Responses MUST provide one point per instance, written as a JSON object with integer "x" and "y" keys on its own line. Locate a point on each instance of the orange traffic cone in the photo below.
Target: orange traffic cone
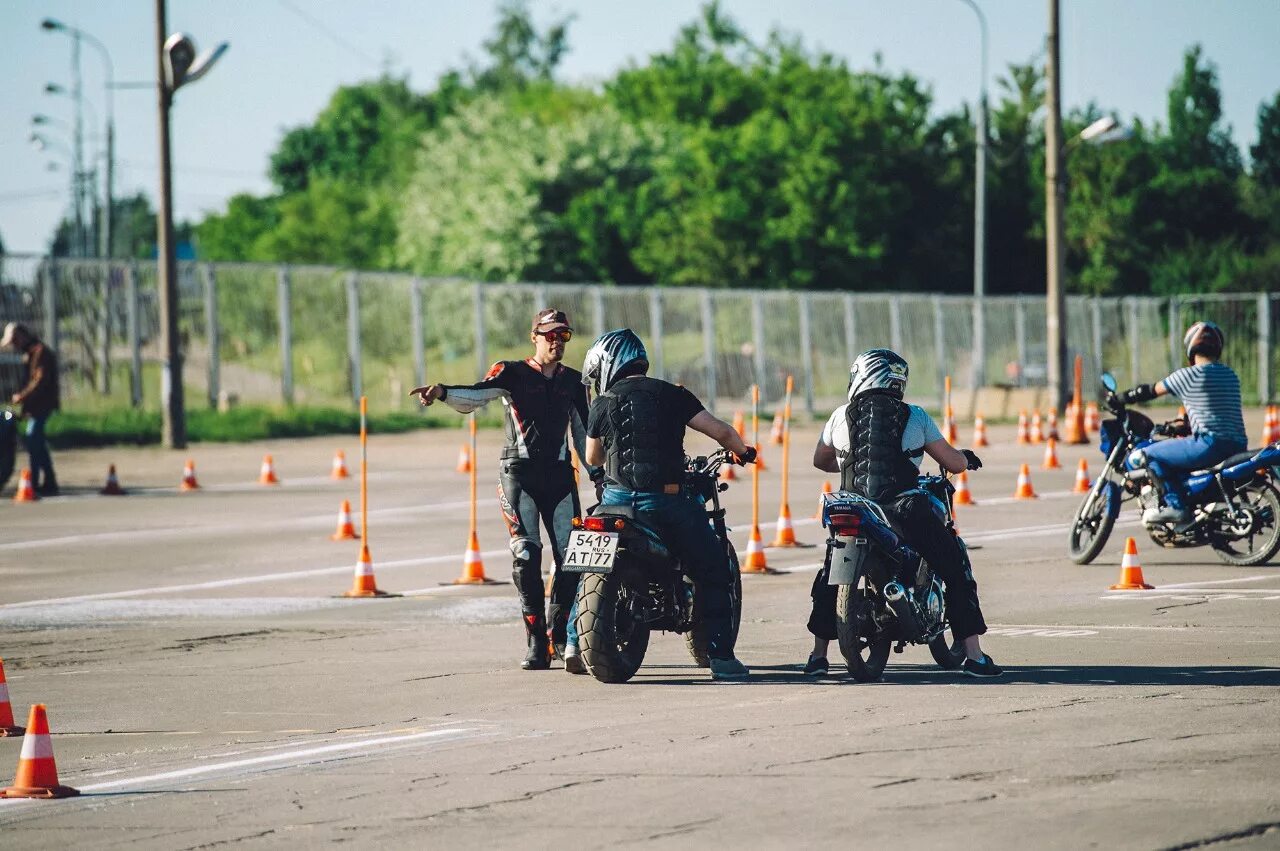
{"x": 756, "y": 562}
{"x": 1131, "y": 570}
{"x": 346, "y": 529}
{"x": 727, "y": 474}
{"x": 963, "y": 495}
{"x": 1037, "y": 433}
{"x": 7, "y": 726}
{"x": 979, "y": 432}
{"x": 364, "y": 585}
{"x": 472, "y": 565}
{"x": 826, "y": 488}
{"x": 189, "y": 482}
{"x": 26, "y": 490}
{"x": 786, "y": 536}
{"x": 267, "y": 476}
{"x": 740, "y": 424}
{"x": 775, "y": 433}
{"x": 1082, "y": 484}
{"x": 339, "y": 470}
{"x": 1271, "y": 426}
{"x": 464, "y": 459}
{"x": 1024, "y": 436}
{"x": 1051, "y": 455}
{"x": 949, "y": 426}
{"x": 1092, "y": 418}
{"x": 1024, "y": 490}
{"x": 1052, "y": 432}
{"x": 37, "y": 774}
{"x": 112, "y": 487}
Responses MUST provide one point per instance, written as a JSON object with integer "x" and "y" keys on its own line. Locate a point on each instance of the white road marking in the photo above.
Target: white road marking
{"x": 1087, "y": 626}
{"x": 1258, "y": 578}
{"x": 1019, "y": 632}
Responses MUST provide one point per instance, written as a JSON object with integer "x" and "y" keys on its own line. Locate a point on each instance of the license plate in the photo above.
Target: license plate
{"x": 590, "y": 552}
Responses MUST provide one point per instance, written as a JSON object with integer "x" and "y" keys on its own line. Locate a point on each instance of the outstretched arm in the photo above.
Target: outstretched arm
{"x": 465, "y": 398}
{"x": 719, "y": 431}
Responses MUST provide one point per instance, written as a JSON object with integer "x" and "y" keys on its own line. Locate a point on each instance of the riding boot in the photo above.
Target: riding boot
{"x": 539, "y": 657}
{"x": 559, "y": 617}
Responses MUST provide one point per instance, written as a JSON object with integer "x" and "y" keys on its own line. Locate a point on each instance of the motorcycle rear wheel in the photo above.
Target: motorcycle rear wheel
{"x": 948, "y": 656}
{"x": 612, "y": 642}
{"x": 1093, "y": 522}
{"x": 1260, "y": 546}
{"x": 696, "y": 638}
{"x": 864, "y": 657}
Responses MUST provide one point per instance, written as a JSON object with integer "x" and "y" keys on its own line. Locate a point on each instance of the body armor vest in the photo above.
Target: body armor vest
{"x": 876, "y": 466}
{"x": 645, "y": 451}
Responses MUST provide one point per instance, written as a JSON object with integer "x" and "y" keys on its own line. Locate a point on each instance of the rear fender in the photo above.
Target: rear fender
{"x": 847, "y": 561}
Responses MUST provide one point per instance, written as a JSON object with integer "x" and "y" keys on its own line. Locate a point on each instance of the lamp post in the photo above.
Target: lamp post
{"x": 176, "y": 65}
{"x": 980, "y": 210}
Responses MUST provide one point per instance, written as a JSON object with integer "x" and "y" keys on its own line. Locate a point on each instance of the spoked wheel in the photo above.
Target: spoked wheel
{"x": 612, "y": 640}
{"x": 1252, "y": 536}
{"x": 1095, "y": 518}
{"x": 696, "y": 638}
{"x": 948, "y": 656}
{"x": 865, "y": 657}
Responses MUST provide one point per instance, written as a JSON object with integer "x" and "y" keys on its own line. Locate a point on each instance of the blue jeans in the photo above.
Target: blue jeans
{"x": 682, "y": 522}
{"x": 1171, "y": 460}
{"x": 38, "y": 451}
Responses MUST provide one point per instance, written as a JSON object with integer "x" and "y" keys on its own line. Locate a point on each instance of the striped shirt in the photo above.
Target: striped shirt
{"x": 1211, "y": 394}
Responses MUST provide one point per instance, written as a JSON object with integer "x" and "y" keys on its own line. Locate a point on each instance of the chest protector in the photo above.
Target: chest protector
{"x": 640, "y": 453}
{"x": 876, "y": 466}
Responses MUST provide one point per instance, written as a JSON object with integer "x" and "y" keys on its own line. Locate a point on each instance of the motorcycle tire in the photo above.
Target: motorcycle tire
{"x": 8, "y": 446}
{"x": 612, "y": 643}
{"x": 1265, "y": 500}
{"x": 866, "y": 668}
{"x": 1089, "y": 534}
{"x": 696, "y": 638}
{"x": 948, "y": 656}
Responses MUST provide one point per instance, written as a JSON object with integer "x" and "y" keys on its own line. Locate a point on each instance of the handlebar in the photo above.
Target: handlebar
{"x": 711, "y": 464}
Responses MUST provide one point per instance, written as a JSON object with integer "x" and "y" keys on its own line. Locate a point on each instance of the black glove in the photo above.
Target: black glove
{"x": 975, "y": 463}
{"x": 1141, "y": 393}
{"x": 596, "y": 474}
{"x": 749, "y": 457}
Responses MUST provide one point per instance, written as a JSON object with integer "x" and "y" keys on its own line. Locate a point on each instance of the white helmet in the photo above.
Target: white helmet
{"x": 609, "y": 355}
{"x": 878, "y": 369}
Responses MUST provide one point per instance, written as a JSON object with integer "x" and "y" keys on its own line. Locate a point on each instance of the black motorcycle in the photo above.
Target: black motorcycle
{"x": 8, "y": 445}
{"x": 633, "y": 585}
{"x": 888, "y": 595}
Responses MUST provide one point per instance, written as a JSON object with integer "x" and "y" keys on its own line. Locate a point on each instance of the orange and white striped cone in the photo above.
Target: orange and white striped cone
{"x": 1024, "y": 435}
{"x": 37, "y": 775}
{"x": 786, "y": 536}
{"x": 1051, "y": 433}
{"x": 1024, "y": 489}
{"x": 826, "y": 488}
{"x": 1082, "y": 484}
{"x": 755, "y": 561}
{"x": 727, "y": 474}
{"x": 189, "y": 482}
{"x": 112, "y": 487}
{"x": 949, "y": 426}
{"x": 775, "y": 433}
{"x": 7, "y": 725}
{"x": 1131, "y": 578}
{"x": 267, "y": 475}
{"x": 464, "y": 459}
{"x": 1051, "y": 461}
{"x": 473, "y": 565}
{"x": 1271, "y": 426}
{"x": 963, "y": 495}
{"x": 26, "y": 490}
{"x": 1092, "y": 417}
{"x": 1037, "y": 432}
{"x": 346, "y": 529}
{"x": 339, "y": 469}
{"x": 979, "y": 432}
{"x": 363, "y": 584}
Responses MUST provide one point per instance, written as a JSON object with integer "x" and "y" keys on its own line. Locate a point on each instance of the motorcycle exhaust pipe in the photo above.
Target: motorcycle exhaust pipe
{"x": 893, "y": 592}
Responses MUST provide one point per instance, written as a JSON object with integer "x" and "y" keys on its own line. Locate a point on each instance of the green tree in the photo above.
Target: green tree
{"x": 1265, "y": 152}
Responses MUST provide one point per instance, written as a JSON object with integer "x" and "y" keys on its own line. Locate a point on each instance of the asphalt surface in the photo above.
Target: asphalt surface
{"x": 206, "y": 687}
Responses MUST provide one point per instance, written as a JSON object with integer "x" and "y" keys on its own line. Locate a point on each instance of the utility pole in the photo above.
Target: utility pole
{"x": 82, "y": 232}
{"x": 980, "y": 211}
{"x": 174, "y": 430}
{"x": 1055, "y": 234}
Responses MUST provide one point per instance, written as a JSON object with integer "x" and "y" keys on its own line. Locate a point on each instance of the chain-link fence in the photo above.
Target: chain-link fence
{"x": 257, "y": 333}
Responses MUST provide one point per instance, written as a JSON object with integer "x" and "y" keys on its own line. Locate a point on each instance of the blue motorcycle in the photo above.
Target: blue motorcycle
{"x": 1236, "y": 506}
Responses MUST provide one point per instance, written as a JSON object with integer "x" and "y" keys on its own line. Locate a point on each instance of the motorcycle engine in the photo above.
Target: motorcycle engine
{"x": 1148, "y": 497}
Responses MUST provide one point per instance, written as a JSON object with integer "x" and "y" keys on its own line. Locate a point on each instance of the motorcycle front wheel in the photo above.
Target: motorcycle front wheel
{"x": 696, "y": 638}
{"x": 1261, "y": 542}
{"x": 864, "y": 657}
{"x": 612, "y": 641}
{"x": 1094, "y": 520}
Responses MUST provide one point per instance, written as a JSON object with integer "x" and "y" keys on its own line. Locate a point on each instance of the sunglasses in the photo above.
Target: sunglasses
{"x": 562, "y": 335}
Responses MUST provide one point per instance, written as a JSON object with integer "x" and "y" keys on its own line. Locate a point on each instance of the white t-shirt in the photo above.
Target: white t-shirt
{"x": 920, "y": 430}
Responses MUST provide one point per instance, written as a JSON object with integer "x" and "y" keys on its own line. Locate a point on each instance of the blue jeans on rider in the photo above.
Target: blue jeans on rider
{"x": 686, "y": 532}
{"x": 1171, "y": 460}
{"x": 38, "y": 451}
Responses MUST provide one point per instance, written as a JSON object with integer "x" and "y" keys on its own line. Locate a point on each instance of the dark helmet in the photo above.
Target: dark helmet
{"x": 1204, "y": 338}
{"x": 878, "y": 369}
{"x": 609, "y": 355}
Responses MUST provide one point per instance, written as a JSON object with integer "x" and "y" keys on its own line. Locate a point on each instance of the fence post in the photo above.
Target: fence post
{"x": 939, "y": 343}
{"x": 850, "y": 331}
{"x": 656, "y": 332}
{"x": 709, "y": 347}
{"x": 482, "y": 360}
{"x": 1135, "y": 340}
{"x": 416, "y": 331}
{"x": 1175, "y": 334}
{"x": 353, "y": 336}
{"x": 103, "y": 376}
{"x": 806, "y": 350}
{"x": 597, "y": 310}
{"x": 1095, "y": 310}
{"x": 540, "y": 297}
{"x": 895, "y": 324}
{"x": 134, "y": 333}
{"x": 757, "y": 336}
{"x": 979, "y": 340}
{"x": 51, "y": 305}
{"x": 284, "y": 301}
{"x": 212, "y": 333}
{"x": 1264, "y": 349}
{"x": 1020, "y": 337}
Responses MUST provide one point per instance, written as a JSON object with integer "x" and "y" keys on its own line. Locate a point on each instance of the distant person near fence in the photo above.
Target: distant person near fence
{"x": 38, "y": 399}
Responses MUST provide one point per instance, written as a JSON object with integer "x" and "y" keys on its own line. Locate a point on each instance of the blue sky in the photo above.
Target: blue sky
{"x": 287, "y": 56}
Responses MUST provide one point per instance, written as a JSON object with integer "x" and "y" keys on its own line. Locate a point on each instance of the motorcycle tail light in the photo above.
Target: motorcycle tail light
{"x": 619, "y": 525}
{"x": 576, "y": 523}
{"x": 845, "y": 524}
{"x": 593, "y": 524}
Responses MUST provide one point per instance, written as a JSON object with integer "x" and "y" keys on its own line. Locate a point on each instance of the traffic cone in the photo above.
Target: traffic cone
{"x": 826, "y": 488}
{"x": 1092, "y": 418}
{"x": 7, "y": 726}
{"x": 1271, "y": 426}
{"x": 464, "y": 459}
{"x": 346, "y": 529}
{"x": 756, "y": 562}
{"x": 786, "y": 536}
{"x": 364, "y": 585}
{"x": 1024, "y": 436}
{"x": 1052, "y": 432}
{"x": 1051, "y": 455}
{"x": 1024, "y": 490}
{"x": 37, "y": 774}
{"x": 339, "y": 470}
{"x": 112, "y": 487}
{"x": 740, "y": 424}
{"x": 1082, "y": 484}
{"x": 1131, "y": 570}
{"x": 775, "y": 433}
{"x": 949, "y": 426}
{"x": 26, "y": 490}
{"x": 189, "y": 482}
{"x": 472, "y": 565}
{"x": 727, "y": 474}
{"x": 1037, "y": 433}
{"x": 267, "y": 476}
{"x": 979, "y": 432}
{"x": 963, "y": 495}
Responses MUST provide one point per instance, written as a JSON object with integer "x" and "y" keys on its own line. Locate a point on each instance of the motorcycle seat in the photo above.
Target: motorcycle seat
{"x": 628, "y": 513}
{"x": 1238, "y": 458}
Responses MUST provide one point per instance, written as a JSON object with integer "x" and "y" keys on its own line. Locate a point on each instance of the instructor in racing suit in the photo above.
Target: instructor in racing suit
{"x": 876, "y": 443}
{"x": 544, "y": 401}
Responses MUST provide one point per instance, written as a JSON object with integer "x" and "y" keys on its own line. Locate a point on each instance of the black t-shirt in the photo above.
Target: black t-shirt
{"x": 677, "y": 405}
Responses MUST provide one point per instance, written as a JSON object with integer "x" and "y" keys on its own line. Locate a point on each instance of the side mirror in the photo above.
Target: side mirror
{"x": 1108, "y": 381}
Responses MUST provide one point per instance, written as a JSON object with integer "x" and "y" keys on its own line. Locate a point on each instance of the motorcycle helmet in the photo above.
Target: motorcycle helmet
{"x": 878, "y": 369}
{"x": 609, "y": 355}
{"x": 1204, "y": 338}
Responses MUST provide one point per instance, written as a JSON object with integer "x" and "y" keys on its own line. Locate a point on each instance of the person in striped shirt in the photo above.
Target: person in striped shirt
{"x": 1210, "y": 391}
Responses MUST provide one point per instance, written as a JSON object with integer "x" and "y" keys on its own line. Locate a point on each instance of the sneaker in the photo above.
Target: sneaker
{"x": 816, "y": 666}
{"x": 986, "y": 668}
{"x": 573, "y": 662}
{"x": 729, "y": 669}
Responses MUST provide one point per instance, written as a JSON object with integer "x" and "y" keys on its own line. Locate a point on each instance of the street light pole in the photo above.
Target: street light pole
{"x": 980, "y": 212}
{"x": 174, "y": 429}
{"x": 1055, "y": 233}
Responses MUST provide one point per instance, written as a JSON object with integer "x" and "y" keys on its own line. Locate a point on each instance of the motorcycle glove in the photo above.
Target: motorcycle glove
{"x": 1141, "y": 393}
{"x": 596, "y": 474}
{"x": 975, "y": 463}
{"x": 749, "y": 457}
